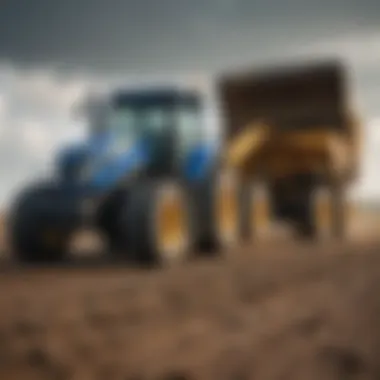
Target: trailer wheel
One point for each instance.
(302, 213)
(227, 210)
(259, 207)
(157, 222)
(329, 212)
(314, 205)
(32, 239)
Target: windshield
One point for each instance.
(128, 124)
(190, 129)
(123, 123)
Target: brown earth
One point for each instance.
(277, 312)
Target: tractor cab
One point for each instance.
(167, 122)
(157, 132)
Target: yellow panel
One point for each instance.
(246, 145)
(261, 148)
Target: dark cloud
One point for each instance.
(157, 35)
(169, 34)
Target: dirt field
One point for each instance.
(277, 312)
(280, 310)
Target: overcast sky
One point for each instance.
(51, 51)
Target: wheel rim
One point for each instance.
(172, 237)
(227, 210)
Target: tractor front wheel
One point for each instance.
(33, 237)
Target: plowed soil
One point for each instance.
(281, 311)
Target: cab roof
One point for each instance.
(156, 95)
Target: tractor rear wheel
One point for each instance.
(216, 213)
(107, 220)
(157, 223)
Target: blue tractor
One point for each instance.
(145, 177)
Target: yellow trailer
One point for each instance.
(292, 131)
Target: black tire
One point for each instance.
(292, 200)
(141, 227)
(258, 210)
(337, 208)
(340, 215)
(203, 197)
(304, 222)
(306, 219)
(26, 227)
(301, 214)
(245, 204)
(108, 221)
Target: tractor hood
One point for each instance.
(97, 164)
(70, 162)
(73, 160)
